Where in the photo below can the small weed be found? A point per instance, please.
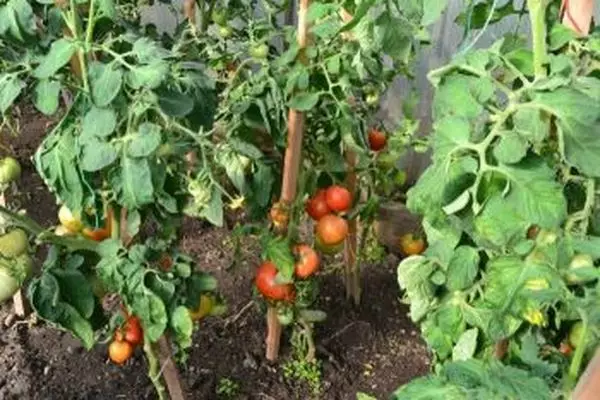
(227, 389)
(304, 371)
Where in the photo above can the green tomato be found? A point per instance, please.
(14, 243)
(580, 261)
(372, 99)
(13, 273)
(10, 170)
(285, 316)
(225, 32)
(576, 334)
(259, 51)
(219, 17)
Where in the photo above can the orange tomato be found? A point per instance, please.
(411, 245)
(332, 230)
(338, 198)
(308, 261)
(120, 351)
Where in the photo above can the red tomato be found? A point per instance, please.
(377, 139)
(317, 206)
(338, 198)
(266, 285)
(411, 245)
(120, 351)
(332, 230)
(308, 261)
(133, 331)
(165, 262)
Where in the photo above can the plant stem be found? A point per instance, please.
(537, 15)
(45, 236)
(153, 369)
(575, 365)
(77, 35)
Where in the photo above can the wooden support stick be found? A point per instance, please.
(352, 267)
(291, 167)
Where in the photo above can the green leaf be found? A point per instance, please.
(46, 96)
(46, 298)
(277, 250)
(75, 290)
(413, 277)
(149, 76)
(97, 155)
(462, 96)
(98, 122)
(10, 89)
(534, 193)
(451, 133)
(106, 8)
(136, 183)
(578, 116)
(148, 51)
(60, 53)
(304, 101)
(17, 20)
(105, 80)
(361, 11)
(134, 221)
(432, 11)
(499, 224)
(560, 35)
(530, 125)
(463, 268)
(213, 212)
(182, 326)
(511, 149)
(174, 103)
(466, 345)
(152, 313)
(145, 141)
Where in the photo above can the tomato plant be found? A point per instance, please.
(508, 205)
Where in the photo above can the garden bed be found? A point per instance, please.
(373, 348)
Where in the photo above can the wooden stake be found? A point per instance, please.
(170, 374)
(291, 167)
(351, 265)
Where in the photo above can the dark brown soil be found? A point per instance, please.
(373, 348)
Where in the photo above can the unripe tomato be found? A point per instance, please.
(266, 285)
(328, 249)
(372, 99)
(219, 16)
(96, 235)
(579, 261)
(69, 220)
(8, 285)
(316, 207)
(10, 170)
(332, 230)
(120, 351)
(411, 245)
(133, 331)
(308, 261)
(576, 335)
(225, 32)
(285, 315)
(259, 51)
(279, 215)
(14, 243)
(338, 198)
(377, 139)
(204, 308)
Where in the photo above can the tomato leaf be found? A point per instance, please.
(213, 212)
(98, 122)
(174, 103)
(97, 155)
(149, 76)
(463, 268)
(183, 327)
(277, 250)
(145, 141)
(105, 80)
(10, 89)
(466, 345)
(76, 291)
(148, 51)
(60, 53)
(135, 187)
(304, 101)
(46, 96)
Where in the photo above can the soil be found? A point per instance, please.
(373, 348)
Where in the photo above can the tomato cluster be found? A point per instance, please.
(125, 340)
(71, 224)
(323, 207)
